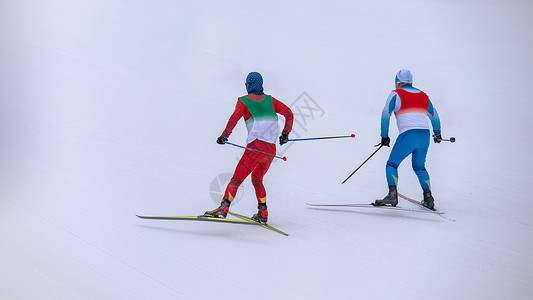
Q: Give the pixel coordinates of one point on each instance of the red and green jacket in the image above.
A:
(260, 115)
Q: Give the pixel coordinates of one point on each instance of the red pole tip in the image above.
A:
(284, 158)
(353, 135)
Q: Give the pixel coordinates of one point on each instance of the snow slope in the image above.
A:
(112, 108)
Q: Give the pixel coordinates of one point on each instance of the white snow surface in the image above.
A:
(111, 109)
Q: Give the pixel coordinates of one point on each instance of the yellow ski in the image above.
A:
(244, 220)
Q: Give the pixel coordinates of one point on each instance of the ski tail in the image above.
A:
(440, 214)
(257, 223)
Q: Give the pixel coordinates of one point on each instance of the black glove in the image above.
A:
(283, 139)
(222, 140)
(385, 141)
(437, 138)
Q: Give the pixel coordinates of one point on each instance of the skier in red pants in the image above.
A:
(260, 114)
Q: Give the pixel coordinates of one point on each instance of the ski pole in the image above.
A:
(283, 158)
(322, 138)
(451, 140)
(362, 164)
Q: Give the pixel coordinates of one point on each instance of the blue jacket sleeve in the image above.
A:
(386, 113)
(434, 117)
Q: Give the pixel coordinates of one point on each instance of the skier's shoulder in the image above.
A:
(275, 100)
(280, 106)
(392, 96)
(409, 89)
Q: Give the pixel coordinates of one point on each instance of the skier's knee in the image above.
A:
(235, 182)
(257, 182)
(418, 168)
(392, 165)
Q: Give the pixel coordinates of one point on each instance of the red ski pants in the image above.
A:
(255, 163)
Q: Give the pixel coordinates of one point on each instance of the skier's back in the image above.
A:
(260, 114)
(412, 109)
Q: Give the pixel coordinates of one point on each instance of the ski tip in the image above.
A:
(142, 217)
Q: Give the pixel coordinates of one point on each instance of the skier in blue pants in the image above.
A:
(412, 108)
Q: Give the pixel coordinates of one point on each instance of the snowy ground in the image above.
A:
(111, 109)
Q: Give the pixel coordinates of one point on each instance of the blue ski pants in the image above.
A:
(416, 143)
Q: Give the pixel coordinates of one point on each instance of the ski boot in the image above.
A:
(428, 201)
(391, 198)
(262, 214)
(219, 212)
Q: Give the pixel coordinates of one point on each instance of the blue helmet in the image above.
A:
(254, 83)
